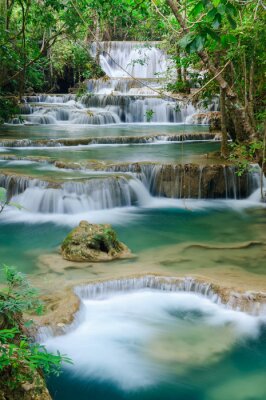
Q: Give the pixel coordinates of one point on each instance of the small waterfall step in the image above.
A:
(183, 137)
(136, 189)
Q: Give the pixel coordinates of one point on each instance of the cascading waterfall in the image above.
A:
(144, 183)
(179, 138)
(74, 197)
(193, 181)
(139, 59)
(117, 98)
(103, 289)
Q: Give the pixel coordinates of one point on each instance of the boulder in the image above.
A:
(94, 243)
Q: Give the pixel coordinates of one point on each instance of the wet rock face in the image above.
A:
(208, 182)
(91, 242)
(212, 118)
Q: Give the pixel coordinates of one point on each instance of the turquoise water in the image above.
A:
(77, 131)
(175, 152)
(152, 346)
(159, 345)
(140, 229)
(240, 375)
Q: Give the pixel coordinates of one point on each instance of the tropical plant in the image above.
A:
(21, 359)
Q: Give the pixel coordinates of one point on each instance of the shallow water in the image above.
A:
(144, 230)
(155, 345)
(174, 152)
(142, 345)
(78, 131)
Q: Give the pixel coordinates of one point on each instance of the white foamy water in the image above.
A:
(137, 339)
(78, 209)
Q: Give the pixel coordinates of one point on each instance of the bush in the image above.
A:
(21, 360)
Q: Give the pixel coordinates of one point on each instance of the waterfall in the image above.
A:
(177, 138)
(139, 59)
(15, 184)
(131, 94)
(144, 182)
(193, 181)
(102, 289)
(75, 197)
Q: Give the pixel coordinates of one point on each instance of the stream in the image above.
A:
(181, 211)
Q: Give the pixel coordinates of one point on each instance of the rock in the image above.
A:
(211, 118)
(91, 242)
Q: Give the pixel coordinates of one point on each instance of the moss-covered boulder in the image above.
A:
(92, 242)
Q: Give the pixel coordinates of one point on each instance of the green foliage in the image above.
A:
(211, 16)
(18, 296)
(242, 155)
(179, 87)
(106, 241)
(149, 115)
(21, 360)
(8, 108)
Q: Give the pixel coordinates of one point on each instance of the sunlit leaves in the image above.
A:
(208, 17)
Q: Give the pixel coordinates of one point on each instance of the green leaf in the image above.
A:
(200, 40)
(231, 21)
(212, 34)
(3, 195)
(228, 39)
(221, 9)
(230, 9)
(197, 9)
(211, 14)
(216, 2)
(186, 40)
(197, 44)
(217, 21)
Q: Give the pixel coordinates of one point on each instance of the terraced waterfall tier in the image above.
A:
(133, 91)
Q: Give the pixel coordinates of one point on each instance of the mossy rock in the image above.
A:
(92, 242)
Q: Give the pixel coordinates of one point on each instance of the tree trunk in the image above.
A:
(242, 125)
(224, 144)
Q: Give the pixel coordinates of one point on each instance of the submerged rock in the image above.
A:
(91, 242)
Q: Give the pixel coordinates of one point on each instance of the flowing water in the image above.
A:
(97, 158)
(153, 345)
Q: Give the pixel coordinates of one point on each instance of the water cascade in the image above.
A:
(103, 289)
(130, 92)
(143, 183)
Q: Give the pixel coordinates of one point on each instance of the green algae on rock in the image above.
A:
(92, 242)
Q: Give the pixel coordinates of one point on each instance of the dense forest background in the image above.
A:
(44, 47)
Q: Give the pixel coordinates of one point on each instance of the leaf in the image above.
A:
(3, 195)
(197, 44)
(212, 34)
(228, 39)
(231, 21)
(217, 21)
(211, 14)
(230, 9)
(216, 2)
(186, 40)
(221, 9)
(200, 40)
(197, 9)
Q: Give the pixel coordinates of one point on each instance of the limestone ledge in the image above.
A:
(62, 305)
